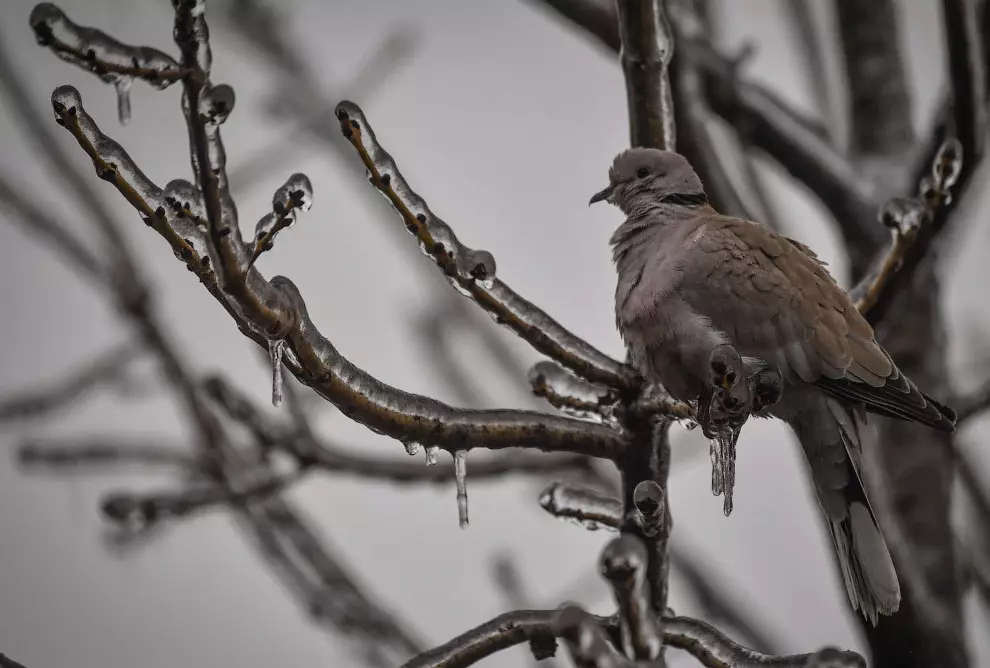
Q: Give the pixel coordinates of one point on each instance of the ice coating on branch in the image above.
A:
(276, 347)
(948, 163)
(216, 103)
(192, 35)
(902, 215)
(650, 504)
(437, 240)
(111, 161)
(99, 53)
(412, 448)
(431, 455)
(460, 475)
(568, 393)
(586, 507)
(296, 194)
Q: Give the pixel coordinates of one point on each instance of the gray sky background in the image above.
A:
(506, 123)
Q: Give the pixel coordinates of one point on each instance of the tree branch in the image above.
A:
(472, 272)
(108, 368)
(914, 224)
(588, 507)
(973, 404)
(647, 47)
(275, 310)
(968, 74)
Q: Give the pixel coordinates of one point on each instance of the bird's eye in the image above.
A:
(642, 173)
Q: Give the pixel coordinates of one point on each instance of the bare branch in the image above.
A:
(35, 220)
(807, 42)
(880, 104)
(715, 650)
(266, 310)
(473, 272)
(968, 74)
(647, 47)
(588, 507)
(914, 225)
(101, 54)
(623, 563)
(569, 393)
(107, 369)
(140, 510)
(102, 452)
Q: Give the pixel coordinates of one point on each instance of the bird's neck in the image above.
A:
(649, 221)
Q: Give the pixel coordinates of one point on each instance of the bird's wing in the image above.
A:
(775, 300)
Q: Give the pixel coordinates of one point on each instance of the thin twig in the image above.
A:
(107, 369)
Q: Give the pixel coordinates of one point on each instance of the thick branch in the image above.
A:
(880, 104)
(647, 47)
(472, 272)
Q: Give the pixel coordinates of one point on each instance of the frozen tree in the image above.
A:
(679, 87)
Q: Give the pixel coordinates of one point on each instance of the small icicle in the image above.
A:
(431, 455)
(412, 448)
(123, 87)
(275, 349)
(460, 474)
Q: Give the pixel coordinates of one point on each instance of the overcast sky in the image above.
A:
(506, 123)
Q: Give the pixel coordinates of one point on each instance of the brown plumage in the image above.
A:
(690, 280)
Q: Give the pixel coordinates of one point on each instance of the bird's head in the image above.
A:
(652, 174)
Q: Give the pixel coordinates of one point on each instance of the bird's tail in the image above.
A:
(867, 569)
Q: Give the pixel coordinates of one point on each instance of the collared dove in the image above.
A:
(691, 280)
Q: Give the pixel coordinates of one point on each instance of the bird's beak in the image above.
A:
(602, 195)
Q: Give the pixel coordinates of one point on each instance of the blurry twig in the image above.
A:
(107, 369)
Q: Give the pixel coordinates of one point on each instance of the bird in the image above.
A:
(691, 281)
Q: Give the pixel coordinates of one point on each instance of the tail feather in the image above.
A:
(831, 435)
(867, 570)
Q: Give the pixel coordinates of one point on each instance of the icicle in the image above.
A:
(275, 349)
(123, 88)
(431, 455)
(412, 448)
(460, 474)
(723, 456)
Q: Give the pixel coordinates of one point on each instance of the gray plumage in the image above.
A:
(690, 279)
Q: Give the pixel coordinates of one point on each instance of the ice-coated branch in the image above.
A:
(113, 61)
(295, 195)
(275, 309)
(569, 393)
(310, 451)
(647, 47)
(7, 662)
(714, 649)
(588, 642)
(623, 563)
(967, 73)
(588, 507)
(472, 272)
(913, 224)
(107, 369)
